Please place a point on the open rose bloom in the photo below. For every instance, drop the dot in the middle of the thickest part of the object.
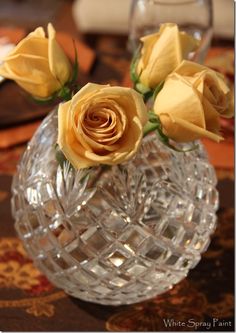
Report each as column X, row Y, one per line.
column 101, row 125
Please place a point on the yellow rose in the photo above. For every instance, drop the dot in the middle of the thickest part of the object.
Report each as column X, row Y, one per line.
column 38, row 64
column 101, row 125
column 162, row 52
column 191, row 102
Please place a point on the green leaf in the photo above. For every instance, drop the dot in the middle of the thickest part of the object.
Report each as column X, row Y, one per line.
column 77, row 87
column 71, row 87
column 60, row 157
column 75, row 70
column 152, row 117
column 145, row 91
column 149, row 127
column 162, row 136
column 65, row 93
column 138, row 86
column 166, row 142
column 158, row 89
column 142, row 88
column 147, row 96
column 152, row 123
column 133, row 74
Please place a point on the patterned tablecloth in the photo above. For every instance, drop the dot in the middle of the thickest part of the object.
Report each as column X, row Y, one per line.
column 203, row 301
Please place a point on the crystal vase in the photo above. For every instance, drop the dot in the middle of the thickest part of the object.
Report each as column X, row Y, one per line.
column 114, row 235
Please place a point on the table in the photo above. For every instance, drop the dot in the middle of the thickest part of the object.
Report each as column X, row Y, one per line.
column 203, row 301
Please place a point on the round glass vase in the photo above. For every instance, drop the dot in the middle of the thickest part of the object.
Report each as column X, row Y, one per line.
column 114, row 235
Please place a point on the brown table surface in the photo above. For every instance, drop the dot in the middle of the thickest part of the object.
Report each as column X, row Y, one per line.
column 28, row 302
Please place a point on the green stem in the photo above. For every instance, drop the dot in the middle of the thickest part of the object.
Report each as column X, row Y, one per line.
column 149, row 127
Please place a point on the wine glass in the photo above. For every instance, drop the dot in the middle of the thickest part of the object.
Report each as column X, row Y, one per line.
column 192, row 16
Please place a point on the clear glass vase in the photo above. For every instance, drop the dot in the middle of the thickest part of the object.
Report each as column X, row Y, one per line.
column 115, row 235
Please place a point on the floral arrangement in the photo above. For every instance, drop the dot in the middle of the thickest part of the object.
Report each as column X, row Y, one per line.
column 108, row 216
column 99, row 124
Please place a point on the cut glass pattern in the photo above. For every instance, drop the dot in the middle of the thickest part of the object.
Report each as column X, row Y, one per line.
column 114, row 235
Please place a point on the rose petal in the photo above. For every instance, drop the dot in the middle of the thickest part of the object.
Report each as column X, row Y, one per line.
column 212, row 118
column 85, row 93
column 162, row 52
column 188, row 43
column 159, row 64
column 128, row 146
column 38, row 32
column 28, row 68
column 148, row 44
column 37, row 64
column 58, row 62
column 189, row 68
column 35, row 76
column 213, row 87
column 73, row 151
column 181, row 130
column 31, row 46
column 178, row 97
column 111, row 133
column 130, row 101
column 94, row 144
column 102, row 125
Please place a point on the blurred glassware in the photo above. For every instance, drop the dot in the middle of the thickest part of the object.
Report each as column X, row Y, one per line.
column 192, row 16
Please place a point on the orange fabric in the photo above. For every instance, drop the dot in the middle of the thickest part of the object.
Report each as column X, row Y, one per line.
column 16, row 135
column 221, row 155
column 13, row 34
column 86, row 56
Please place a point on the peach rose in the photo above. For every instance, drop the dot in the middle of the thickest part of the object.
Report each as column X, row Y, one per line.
column 38, row 64
column 191, row 102
column 162, row 52
column 101, row 125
